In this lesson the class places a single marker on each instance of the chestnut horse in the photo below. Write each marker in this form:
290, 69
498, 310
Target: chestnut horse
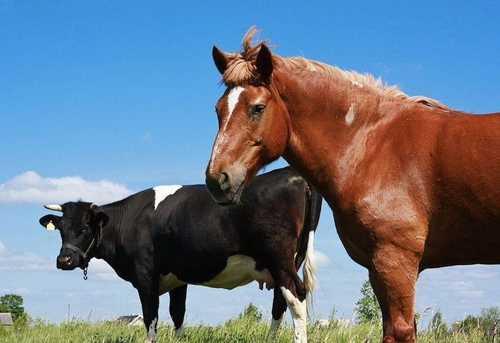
412, 183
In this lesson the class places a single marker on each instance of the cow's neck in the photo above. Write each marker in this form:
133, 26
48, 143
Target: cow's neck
107, 247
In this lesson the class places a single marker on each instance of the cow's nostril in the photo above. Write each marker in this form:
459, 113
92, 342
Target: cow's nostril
64, 259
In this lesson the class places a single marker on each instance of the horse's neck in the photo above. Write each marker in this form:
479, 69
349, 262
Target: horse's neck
330, 124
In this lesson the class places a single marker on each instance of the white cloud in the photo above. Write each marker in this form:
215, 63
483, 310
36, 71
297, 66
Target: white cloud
3, 249
30, 187
321, 259
23, 261
20, 291
102, 270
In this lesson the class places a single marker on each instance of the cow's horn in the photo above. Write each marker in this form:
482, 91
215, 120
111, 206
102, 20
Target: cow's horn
54, 207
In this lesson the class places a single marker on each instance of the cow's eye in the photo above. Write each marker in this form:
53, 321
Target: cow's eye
257, 110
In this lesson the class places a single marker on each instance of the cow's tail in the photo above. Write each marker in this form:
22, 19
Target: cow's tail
306, 250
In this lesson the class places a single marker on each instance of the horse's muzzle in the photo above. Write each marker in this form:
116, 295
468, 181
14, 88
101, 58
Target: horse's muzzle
225, 187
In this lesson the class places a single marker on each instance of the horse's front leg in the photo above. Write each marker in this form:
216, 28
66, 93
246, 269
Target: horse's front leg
393, 276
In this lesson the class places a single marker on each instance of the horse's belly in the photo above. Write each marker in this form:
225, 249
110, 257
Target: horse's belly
461, 244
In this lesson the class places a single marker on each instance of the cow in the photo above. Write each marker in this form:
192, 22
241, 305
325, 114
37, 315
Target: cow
164, 238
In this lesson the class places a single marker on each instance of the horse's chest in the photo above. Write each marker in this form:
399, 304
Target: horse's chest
239, 270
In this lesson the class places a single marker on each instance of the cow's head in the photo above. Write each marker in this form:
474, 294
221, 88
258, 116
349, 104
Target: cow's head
80, 227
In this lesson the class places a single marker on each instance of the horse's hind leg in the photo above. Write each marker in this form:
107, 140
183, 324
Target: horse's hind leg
393, 276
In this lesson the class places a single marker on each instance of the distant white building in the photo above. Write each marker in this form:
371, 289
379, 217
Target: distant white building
133, 320
6, 319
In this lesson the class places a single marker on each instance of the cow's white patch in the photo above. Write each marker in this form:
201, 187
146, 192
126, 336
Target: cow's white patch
294, 179
161, 192
169, 282
275, 325
180, 331
351, 115
232, 99
240, 270
152, 330
50, 226
298, 309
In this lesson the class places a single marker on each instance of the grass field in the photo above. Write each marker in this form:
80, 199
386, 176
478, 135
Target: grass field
243, 329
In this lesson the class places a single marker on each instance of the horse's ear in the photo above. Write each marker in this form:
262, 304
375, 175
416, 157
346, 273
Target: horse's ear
264, 62
220, 59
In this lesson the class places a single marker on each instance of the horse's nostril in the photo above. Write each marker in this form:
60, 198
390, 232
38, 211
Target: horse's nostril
224, 181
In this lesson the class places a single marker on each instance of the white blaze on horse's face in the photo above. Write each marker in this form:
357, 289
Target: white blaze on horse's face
232, 100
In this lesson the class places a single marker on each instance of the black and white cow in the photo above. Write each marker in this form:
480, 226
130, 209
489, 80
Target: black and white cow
164, 238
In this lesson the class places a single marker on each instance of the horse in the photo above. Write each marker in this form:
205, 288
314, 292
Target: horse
412, 183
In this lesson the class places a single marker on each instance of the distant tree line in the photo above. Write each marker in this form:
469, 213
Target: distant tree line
487, 323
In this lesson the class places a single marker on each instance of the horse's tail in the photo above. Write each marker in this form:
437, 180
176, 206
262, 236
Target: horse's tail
306, 249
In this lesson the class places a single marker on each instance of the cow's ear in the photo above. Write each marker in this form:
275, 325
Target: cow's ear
50, 222
99, 218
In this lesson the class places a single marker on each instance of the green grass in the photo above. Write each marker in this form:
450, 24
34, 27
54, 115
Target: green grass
237, 330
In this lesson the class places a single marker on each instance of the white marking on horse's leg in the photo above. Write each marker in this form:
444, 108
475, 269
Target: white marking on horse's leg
351, 115
152, 331
180, 331
273, 329
161, 192
298, 309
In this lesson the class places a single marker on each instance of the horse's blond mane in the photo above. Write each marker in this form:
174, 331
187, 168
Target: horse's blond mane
241, 70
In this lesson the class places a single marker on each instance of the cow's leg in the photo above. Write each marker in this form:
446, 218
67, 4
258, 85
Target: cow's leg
150, 300
294, 293
279, 308
177, 308
393, 277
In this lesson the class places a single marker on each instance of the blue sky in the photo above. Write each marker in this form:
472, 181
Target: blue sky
124, 92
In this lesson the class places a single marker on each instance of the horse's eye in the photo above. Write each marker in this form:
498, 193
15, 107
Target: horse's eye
257, 110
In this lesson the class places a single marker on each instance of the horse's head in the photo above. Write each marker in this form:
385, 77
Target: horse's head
253, 122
